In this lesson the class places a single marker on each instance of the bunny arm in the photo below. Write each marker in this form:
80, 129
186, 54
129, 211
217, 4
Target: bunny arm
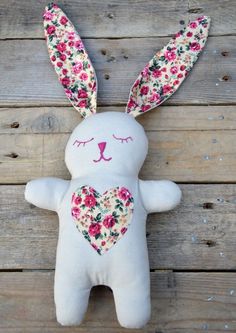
46, 192
159, 196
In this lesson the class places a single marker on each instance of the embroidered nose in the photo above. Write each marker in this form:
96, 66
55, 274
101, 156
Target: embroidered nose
102, 146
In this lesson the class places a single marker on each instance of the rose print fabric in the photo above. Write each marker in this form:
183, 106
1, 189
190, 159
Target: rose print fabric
165, 72
70, 60
102, 219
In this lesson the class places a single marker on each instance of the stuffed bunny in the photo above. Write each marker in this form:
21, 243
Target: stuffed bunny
103, 209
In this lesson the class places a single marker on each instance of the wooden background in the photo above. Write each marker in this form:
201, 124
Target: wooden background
192, 141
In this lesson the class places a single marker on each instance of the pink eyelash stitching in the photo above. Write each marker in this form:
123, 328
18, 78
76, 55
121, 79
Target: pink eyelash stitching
123, 139
82, 142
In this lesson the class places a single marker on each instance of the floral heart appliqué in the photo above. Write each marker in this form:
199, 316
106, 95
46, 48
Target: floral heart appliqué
102, 219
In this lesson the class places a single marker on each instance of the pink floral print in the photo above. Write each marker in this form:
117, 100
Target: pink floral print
165, 72
102, 219
70, 60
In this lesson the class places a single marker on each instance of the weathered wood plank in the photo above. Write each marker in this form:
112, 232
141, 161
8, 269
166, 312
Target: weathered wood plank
34, 120
183, 156
36, 83
181, 302
112, 18
199, 234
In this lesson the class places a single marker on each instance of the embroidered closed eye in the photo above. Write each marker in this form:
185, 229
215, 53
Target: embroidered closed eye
78, 142
122, 140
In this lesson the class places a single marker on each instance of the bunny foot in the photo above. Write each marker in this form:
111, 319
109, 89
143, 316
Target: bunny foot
133, 306
71, 300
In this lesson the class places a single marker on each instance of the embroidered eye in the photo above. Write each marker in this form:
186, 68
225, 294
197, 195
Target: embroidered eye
122, 140
78, 142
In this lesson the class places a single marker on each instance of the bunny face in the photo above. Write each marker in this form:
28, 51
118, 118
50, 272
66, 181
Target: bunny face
110, 142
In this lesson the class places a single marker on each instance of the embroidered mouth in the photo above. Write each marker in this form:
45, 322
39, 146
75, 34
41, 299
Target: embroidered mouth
102, 158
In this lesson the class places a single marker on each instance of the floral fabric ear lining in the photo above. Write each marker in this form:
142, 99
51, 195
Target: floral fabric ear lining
70, 60
165, 72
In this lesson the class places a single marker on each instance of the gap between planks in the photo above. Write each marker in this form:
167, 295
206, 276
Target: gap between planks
119, 38
159, 270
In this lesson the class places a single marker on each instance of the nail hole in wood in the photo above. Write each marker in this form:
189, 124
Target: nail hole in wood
15, 124
111, 59
50, 122
195, 10
126, 57
182, 22
110, 15
210, 243
12, 155
106, 76
103, 51
167, 163
224, 53
225, 78
207, 205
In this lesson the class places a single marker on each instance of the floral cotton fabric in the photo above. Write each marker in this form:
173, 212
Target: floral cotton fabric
102, 219
163, 75
70, 60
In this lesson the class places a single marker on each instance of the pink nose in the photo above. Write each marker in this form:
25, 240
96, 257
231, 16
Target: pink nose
102, 146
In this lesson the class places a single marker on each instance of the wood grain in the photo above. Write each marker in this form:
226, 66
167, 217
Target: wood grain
212, 81
191, 140
198, 235
112, 18
181, 302
183, 156
34, 120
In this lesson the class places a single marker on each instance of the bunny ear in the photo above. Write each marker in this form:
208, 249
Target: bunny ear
165, 72
70, 60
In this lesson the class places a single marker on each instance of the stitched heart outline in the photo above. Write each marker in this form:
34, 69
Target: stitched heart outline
102, 219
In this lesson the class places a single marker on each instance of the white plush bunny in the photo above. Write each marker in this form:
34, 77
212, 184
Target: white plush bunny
103, 209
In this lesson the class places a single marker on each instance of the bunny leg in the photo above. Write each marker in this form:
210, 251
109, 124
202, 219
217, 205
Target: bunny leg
71, 299
133, 305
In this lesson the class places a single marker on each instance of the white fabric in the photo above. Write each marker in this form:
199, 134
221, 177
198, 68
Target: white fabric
125, 267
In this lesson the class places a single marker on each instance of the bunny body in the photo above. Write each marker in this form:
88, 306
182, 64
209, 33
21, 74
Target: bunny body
103, 209
119, 268
78, 266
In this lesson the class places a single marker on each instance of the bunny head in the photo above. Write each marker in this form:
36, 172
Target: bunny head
107, 142
114, 142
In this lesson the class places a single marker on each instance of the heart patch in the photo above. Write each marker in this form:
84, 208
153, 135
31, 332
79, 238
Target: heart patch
102, 218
